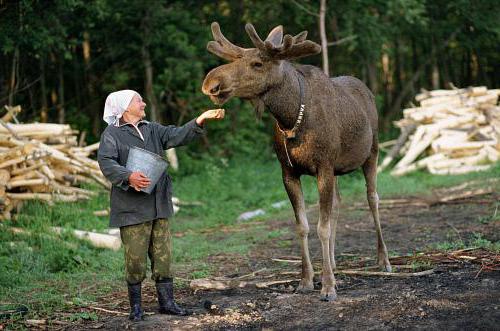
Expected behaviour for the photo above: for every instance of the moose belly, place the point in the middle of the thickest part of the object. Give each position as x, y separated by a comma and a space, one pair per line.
351, 159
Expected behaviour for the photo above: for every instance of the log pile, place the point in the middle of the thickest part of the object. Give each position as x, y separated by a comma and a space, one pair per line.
451, 132
43, 161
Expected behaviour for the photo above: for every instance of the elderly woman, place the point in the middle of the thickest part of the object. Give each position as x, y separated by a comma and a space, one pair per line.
143, 218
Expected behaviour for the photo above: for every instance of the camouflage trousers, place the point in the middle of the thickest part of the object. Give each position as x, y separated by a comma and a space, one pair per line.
151, 239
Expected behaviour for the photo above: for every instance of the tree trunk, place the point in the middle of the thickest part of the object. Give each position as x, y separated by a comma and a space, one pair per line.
372, 76
387, 79
14, 76
324, 41
399, 72
239, 35
445, 69
148, 86
77, 80
61, 113
43, 92
435, 70
148, 71
91, 84
435, 76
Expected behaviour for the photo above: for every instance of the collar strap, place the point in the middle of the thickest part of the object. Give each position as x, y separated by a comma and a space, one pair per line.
290, 134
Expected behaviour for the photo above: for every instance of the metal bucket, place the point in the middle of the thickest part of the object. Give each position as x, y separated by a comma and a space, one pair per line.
150, 164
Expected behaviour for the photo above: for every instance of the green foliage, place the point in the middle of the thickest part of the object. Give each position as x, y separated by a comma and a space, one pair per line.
175, 33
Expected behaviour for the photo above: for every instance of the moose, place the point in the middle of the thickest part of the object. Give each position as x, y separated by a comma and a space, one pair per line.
325, 127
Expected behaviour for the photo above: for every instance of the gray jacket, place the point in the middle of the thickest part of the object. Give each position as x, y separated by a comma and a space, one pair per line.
129, 206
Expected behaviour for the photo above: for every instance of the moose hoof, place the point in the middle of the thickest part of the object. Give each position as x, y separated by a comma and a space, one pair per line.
328, 294
305, 287
385, 267
328, 297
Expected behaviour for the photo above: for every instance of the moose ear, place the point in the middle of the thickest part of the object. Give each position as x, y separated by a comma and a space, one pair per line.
275, 37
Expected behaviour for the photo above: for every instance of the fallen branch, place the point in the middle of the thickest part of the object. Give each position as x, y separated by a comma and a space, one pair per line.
463, 195
276, 282
109, 311
384, 274
287, 261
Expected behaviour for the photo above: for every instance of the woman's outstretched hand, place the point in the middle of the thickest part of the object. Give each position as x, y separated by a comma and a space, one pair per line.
138, 180
212, 114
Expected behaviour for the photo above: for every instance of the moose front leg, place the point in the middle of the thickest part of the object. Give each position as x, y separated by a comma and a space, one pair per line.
326, 188
294, 190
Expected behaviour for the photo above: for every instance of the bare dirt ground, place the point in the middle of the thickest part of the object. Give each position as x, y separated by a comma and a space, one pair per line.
458, 295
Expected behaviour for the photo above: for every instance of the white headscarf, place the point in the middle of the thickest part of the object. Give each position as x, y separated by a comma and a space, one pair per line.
116, 104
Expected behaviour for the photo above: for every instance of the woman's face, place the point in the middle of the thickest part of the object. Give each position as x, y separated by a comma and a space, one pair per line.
136, 107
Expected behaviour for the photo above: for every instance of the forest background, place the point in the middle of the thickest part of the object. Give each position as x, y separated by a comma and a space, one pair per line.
60, 59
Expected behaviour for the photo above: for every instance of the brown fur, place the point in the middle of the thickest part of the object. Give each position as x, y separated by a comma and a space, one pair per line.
337, 135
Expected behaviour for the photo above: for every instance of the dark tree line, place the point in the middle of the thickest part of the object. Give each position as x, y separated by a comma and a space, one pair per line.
59, 59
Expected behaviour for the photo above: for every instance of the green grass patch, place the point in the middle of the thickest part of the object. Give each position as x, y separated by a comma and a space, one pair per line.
495, 217
475, 241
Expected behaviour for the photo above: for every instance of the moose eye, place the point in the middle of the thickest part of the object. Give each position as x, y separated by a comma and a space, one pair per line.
256, 64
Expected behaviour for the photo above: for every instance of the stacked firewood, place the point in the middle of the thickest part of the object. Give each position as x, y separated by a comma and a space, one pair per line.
451, 132
43, 161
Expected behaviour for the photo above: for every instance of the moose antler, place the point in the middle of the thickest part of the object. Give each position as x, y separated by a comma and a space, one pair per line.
277, 47
223, 47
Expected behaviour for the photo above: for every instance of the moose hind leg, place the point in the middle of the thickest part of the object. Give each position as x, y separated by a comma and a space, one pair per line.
294, 190
370, 173
333, 224
326, 183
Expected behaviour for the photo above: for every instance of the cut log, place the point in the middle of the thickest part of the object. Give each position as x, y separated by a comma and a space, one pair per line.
55, 129
27, 182
421, 164
418, 148
459, 170
209, 284
97, 239
403, 137
104, 212
11, 113
449, 146
4, 177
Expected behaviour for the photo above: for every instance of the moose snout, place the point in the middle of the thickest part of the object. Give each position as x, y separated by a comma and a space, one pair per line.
215, 89
211, 85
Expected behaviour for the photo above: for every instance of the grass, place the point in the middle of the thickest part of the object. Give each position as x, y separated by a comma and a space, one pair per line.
475, 241
50, 273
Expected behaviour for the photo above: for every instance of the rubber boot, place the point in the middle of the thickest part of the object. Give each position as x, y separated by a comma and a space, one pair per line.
165, 292
134, 297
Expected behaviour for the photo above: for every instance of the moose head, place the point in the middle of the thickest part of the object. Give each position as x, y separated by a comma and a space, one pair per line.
252, 71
